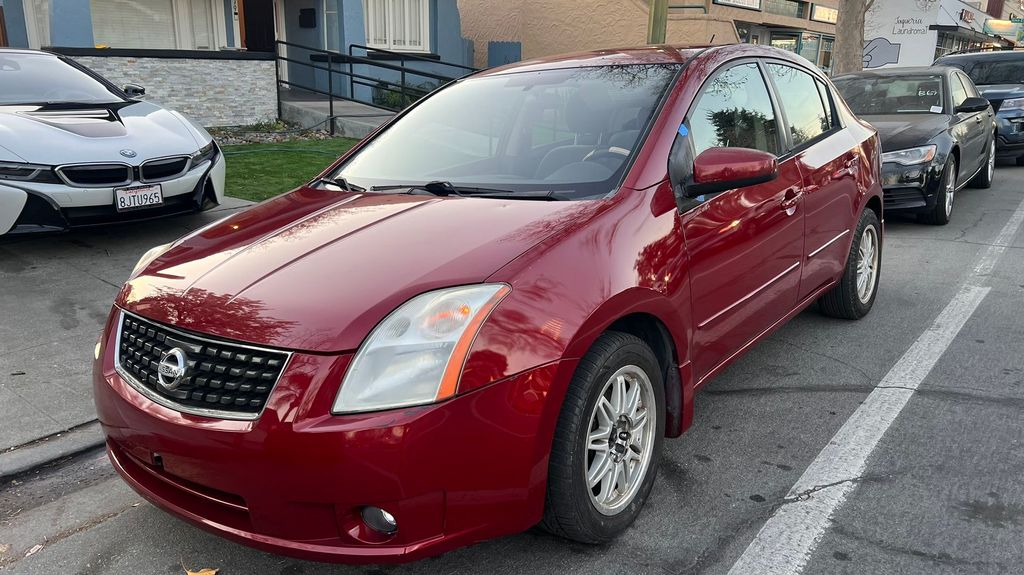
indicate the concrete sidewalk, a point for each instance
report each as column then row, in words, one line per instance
column 55, row 294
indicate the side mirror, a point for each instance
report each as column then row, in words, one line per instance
column 972, row 105
column 719, row 169
column 134, row 90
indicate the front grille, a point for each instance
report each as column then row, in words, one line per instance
column 163, row 169
column 221, row 379
column 97, row 175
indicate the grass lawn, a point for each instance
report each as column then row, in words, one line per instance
column 259, row 171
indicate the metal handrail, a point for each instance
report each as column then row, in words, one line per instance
column 408, row 56
column 406, row 92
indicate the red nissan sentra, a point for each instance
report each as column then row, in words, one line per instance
column 490, row 312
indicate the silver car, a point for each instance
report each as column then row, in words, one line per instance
column 76, row 150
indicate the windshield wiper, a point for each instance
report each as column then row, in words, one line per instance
column 443, row 188
column 339, row 182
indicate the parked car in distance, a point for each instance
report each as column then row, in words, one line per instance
column 75, row 150
column 938, row 135
column 490, row 313
column 999, row 76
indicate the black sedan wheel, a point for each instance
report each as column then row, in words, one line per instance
column 939, row 214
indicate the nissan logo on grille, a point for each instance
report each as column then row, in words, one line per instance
column 171, row 370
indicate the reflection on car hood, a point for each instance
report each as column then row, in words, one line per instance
column 316, row 270
column 55, row 135
column 901, row 131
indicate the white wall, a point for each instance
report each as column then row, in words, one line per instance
column 896, row 33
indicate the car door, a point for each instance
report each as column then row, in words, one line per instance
column 984, row 120
column 829, row 159
column 744, row 245
column 968, row 129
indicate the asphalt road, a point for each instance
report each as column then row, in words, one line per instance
column 940, row 491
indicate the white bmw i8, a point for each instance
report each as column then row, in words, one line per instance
column 75, row 150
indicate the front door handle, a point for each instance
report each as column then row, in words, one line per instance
column 790, row 201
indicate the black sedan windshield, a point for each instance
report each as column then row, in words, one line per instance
column 880, row 95
column 42, row 78
column 571, row 132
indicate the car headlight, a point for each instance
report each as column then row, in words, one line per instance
column 1012, row 104
column 205, row 154
column 910, row 156
column 148, row 257
column 28, row 173
column 416, row 355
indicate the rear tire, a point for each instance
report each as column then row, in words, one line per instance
column 984, row 178
column 854, row 295
column 608, row 440
column 942, row 210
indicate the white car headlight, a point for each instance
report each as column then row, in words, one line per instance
column 910, row 156
column 416, row 355
column 148, row 257
column 1012, row 104
column 205, row 154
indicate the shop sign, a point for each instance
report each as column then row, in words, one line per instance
column 824, row 14
column 748, row 4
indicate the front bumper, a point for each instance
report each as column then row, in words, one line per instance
column 31, row 207
column 1009, row 135
column 295, row 480
column 910, row 188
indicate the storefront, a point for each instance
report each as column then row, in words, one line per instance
column 814, row 45
column 905, row 33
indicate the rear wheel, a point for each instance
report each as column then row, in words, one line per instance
column 854, row 295
column 607, row 444
column 943, row 208
column 987, row 173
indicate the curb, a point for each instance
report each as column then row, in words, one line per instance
column 38, row 453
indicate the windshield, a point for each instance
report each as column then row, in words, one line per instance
column 42, row 78
column 868, row 96
column 992, row 72
column 571, row 132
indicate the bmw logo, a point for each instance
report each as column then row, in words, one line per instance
column 129, row 153
column 170, row 372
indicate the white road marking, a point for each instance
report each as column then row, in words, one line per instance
column 785, row 542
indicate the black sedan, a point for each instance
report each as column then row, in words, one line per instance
column 938, row 135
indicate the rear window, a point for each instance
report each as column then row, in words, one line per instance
column 991, row 71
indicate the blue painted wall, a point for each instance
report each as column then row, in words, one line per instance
column 501, row 53
column 14, row 20
column 446, row 34
column 71, row 23
column 313, row 37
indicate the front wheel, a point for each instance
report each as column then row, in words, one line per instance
column 854, row 295
column 943, row 208
column 607, row 443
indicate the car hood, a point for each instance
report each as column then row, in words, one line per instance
column 315, row 270
column 996, row 93
column 902, row 131
column 61, row 134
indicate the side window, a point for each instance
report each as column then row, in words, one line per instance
column 969, row 86
column 826, row 100
column 958, row 91
column 802, row 101
column 735, row 111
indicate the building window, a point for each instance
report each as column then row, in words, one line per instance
column 400, row 25
column 809, row 45
column 791, row 8
column 156, row 24
column 37, row 16
column 825, row 54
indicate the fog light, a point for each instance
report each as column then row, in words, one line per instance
column 379, row 520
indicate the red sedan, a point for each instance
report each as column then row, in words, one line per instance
column 490, row 313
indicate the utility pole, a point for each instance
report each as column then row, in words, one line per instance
column 658, row 23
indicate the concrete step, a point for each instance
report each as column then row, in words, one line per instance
column 352, row 119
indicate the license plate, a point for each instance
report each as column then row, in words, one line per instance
column 126, row 199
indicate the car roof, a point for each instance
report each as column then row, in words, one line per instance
column 998, row 55
column 663, row 54
column 899, row 71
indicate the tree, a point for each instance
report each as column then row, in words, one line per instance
column 848, row 55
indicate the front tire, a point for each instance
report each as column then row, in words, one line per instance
column 942, row 210
column 984, row 178
column 608, row 440
column 854, row 295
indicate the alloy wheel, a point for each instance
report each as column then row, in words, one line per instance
column 620, row 440
column 867, row 264
column 950, row 192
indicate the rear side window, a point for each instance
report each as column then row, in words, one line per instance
column 969, row 86
column 801, row 98
column 735, row 111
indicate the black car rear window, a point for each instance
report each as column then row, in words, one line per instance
column 991, row 71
